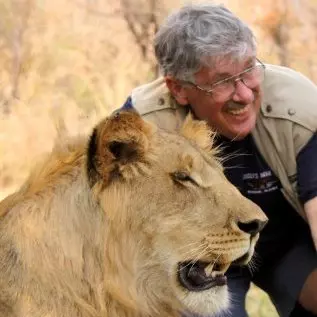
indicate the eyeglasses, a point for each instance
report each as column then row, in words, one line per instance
column 222, row 90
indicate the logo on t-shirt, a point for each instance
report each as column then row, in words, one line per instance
column 260, row 183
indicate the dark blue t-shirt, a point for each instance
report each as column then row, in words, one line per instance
column 307, row 170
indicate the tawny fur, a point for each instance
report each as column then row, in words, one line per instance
column 103, row 240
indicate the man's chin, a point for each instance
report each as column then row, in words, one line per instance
column 238, row 131
column 237, row 135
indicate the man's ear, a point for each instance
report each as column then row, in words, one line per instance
column 177, row 90
column 119, row 141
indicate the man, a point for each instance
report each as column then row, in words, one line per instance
column 266, row 117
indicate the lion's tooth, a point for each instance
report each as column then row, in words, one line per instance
column 220, row 271
column 208, row 269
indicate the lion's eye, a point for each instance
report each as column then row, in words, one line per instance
column 182, row 177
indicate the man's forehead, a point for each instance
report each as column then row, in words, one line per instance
column 227, row 66
column 229, row 63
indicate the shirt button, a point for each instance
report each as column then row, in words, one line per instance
column 161, row 101
column 291, row 111
column 268, row 108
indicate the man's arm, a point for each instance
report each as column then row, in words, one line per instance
column 311, row 212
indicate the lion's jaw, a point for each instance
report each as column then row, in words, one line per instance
column 182, row 264
column 196, row 275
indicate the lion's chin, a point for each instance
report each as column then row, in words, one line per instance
column 200, row 292
column 208, row 302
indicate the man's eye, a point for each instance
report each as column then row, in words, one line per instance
column 224, row 85
column 226, row 82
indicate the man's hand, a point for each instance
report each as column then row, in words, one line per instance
column 311, row 212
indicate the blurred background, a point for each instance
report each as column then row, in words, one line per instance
column 76, row 60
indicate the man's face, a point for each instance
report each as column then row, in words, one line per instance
column 231, row 114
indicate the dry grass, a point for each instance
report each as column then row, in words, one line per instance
column 258, row 304
column 75, row 61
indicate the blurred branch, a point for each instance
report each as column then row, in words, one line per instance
column 138, row 26
column 143, row 26
column 15, row 37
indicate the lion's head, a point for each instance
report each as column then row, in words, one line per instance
column 140, row 222
column 181, row 222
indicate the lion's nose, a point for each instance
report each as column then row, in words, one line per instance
column 252, row 227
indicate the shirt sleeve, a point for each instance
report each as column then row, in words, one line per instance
column 307, row 170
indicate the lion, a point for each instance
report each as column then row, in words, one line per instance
column 132, row 221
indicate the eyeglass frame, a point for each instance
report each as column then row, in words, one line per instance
column 237, row 78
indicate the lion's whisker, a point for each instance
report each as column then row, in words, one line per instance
column 254, row 263
column 188, row 253
column 196, row 259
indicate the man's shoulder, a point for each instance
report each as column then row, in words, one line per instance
column 288, row 94
column 156, row 104
column 281, row 75
column 151, row 97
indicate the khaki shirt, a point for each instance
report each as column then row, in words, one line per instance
column 286, row 122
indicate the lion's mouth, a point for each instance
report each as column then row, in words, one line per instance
column 199, row 276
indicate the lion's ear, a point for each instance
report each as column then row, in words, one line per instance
column 117, row 143
column 199, row 132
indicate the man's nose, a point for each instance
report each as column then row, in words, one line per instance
column 242, row 94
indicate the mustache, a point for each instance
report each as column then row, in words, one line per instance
column 235, row 105
column 231, row 104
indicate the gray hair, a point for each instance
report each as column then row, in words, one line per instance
column 197, row 35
